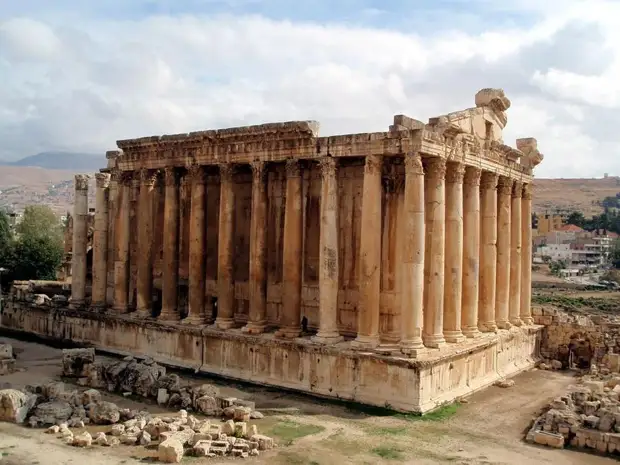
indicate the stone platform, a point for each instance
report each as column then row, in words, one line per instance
column 337, row 371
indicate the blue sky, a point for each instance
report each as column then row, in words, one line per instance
column 80, row 74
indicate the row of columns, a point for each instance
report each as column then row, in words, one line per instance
column 466, row 251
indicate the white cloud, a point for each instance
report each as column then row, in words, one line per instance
column 81, row 85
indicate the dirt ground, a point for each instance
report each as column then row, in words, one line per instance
column 487, row 430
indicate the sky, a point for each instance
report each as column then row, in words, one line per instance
column 77, row 75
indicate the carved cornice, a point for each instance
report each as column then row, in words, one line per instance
column 81, row 182
column 488, row 180
column 472, row 176
column 227, row 171
column 517, row 190
column 293, row 170
column 103, row 180
column 328, row 167
column 413, row 165
column 259, row 171
column 373, row 165
column 527, row 191
column 504, row 186
column 435, row 168
column 171, row 176
column 455, row 173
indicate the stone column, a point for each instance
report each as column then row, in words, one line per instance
column 515, row 255
column 412, row 268
column 144, row 282
column 370, row 256
column 258, row 251
column 170, row 271
column 434, row 253
column 328, row 254
column 197, row 230
column 225, row 253
column 502, row 287
column 100, row 241
column 121, row 247
column 292, row 253
column 488, row 252
column 471, row 251
column 526, row 256
column 80, row 241
column 453, row 287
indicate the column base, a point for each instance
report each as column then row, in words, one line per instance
column 327, row 337
column 224, row 323
column 504, row 325
column 98, row 307
column 254, row 327
column 288, row 333
column 143, row 313
column 435, row 341
column 168, row 318
column 387, row 348
column 471, row 333
column 516, row 321
column 489, row 327
column 527, row 320
column 363, row 342
column 454, row 337
column 120, row 310
column 76, row 304
column 413, row 348
column 192, row 321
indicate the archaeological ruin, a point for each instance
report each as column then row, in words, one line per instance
column 389, row 268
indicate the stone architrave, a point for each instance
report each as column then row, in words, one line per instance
column 488, row 252
column 257, row 320
column 434, row 255
column 515, row 255
column 370, row 256
column 471, row 252
column 412, row 271
column 121, row 239
column 328, row 254
column 526, row 256
column 170, row 271
column 502, row 286
column 290, row 323
column 454, row 253
column 197, row 236
column 144, row 284
column 100, row 242
column 225, row 284
column 80, row 241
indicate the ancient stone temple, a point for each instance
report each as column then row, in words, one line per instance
column 390, row 268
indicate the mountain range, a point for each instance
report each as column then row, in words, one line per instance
column 71, row 161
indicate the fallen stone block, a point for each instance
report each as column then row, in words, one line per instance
column 104, row 413
column 15, row 405
column 82, row 440
column 241, row 414
column 264, row 442
column 202, row 448
column 228, row 428
column 6, row 351
column 91, row 396
column 505, row 383
column 549, row 439
column 170, row 451
column 74, row 361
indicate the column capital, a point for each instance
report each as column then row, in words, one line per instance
column 81, row 182
column 259, row 171
column 435, row 168
column 227, row 171
column 455, row 172
column 504, row 185
column 170, row 176
column 126, row 177
column 488, row 180
column 472, row 176
column 293, row 169
column 373, row 164
column 103, row 180
column 328, row 166
column 517, row 189
column 148, row 177
column 196, row 173
column 527, row 191
column 115, row 175
column 413, row 164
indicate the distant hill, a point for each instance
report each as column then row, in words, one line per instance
column 70, row 161
column 581, row 194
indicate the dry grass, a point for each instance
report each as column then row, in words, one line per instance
column 573, row 194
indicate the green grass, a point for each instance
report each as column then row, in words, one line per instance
column 576, row 304
column 388, row 430
column 388, row 452
column 442, row 413
column 287, row 431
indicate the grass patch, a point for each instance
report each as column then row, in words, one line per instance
column 441, row 414
column 388, row 431
column 293, row 458
column 287, row 431
column 343, row 445
column 577, row 304
column 388, row 452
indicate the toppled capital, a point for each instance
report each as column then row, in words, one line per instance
column 531, row 156
column 494, row 98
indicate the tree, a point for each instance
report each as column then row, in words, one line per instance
column 40, row 221
column 576, row 218
column 614, row 254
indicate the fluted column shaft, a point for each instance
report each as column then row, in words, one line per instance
column 121, row 247
column 488, row 252
column 170, row 271
column 292, row 253
column 196, row 264
column 258, row 250
column 453, row 287
column 412, row 267
column 502, row 292
column 144, row 285
column 434, row 256
column 370, row 256
column 80, row 241
column 471, row 251
column 526, row 256
column 515, row 255
column 328, row 254
column 225, row 284
column 100, row 241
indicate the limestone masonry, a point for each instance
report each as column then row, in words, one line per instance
column 391, row 268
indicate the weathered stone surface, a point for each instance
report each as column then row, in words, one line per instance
column 170, row 451
column 104, row 413
column 82, row 440
column 6, row 351
column 91, row 396
column 201, row 448
column 74, row 361
column 15, row 405
column 264, row 442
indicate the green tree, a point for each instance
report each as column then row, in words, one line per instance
column 576, row 218
column 40, row 221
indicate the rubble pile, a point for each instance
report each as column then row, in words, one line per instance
column 7, row 360
column 587, row 417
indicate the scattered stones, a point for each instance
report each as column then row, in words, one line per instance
column 256, row 415
column 104, row 413
column 74, row 361
column 15, row 405
column 505, row 383
column 144, row 439
column 82, row 440
column 54, row 429
column 101, row 439
column 91, row 396
column 170, row 451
